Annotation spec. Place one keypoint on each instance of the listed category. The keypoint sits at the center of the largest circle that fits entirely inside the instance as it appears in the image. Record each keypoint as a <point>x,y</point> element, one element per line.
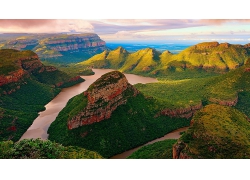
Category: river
<point>172,135</point>
<point>41,124</point>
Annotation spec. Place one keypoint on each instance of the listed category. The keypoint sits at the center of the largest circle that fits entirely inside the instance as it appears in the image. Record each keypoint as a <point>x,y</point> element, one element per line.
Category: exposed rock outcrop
<point>178,151</point>
<point>104,96</point>
<point>13,77</point>
<point>232,102</point>
<point>181,112</point>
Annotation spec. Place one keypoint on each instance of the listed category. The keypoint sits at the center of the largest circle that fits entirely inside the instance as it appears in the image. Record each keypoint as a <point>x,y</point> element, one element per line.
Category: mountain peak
<point>120,49</point>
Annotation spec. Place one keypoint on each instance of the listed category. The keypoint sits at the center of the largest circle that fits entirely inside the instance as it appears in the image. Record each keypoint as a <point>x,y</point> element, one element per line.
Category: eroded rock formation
<point>104,96</point>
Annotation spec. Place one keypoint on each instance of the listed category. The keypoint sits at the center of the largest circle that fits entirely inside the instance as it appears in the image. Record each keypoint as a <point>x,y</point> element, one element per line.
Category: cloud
<point>44,25</point>
<point>140,25</point>
<point>222,21</point>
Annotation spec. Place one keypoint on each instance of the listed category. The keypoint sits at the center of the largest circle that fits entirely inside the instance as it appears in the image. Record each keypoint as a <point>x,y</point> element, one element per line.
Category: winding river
<point>172,135</point>
<point>41,124</point>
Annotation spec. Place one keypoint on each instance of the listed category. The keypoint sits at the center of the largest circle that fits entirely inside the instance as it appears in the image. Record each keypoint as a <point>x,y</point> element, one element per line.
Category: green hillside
<point>9,59</point>
<point>40,149</point>
<point>182,93</point>
<point>158,150</point>
<point>217,132</point>
<point>210,57</point>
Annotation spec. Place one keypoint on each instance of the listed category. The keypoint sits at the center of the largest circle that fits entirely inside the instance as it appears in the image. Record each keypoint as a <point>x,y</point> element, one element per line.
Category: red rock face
<point>102,101</point>
<point>247,70</point>
<point>232,102</point>
<point>181,112</point>
<point>13,77</point>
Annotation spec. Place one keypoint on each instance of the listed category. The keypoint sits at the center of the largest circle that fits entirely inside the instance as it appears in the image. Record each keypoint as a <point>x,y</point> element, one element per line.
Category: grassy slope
<point>158,150</point>
<point>130,125</point>
<point>180,93</point>
<point>218,132</point>
<point>189,62</point>
<point>8,59</point>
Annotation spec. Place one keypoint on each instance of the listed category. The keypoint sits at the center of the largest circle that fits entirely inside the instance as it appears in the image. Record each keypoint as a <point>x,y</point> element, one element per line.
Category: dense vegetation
<point>39,149</point>
<point>210,57</point>
<point>217,132</point>
<point>19,109</point>
<point>158,150</point>
<point>20,101</point>
<point>119,133</point>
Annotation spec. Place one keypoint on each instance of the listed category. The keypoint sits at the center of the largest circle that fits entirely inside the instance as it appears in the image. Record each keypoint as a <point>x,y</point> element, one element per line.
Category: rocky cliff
<point>59,47</point>
<point>104,96</point>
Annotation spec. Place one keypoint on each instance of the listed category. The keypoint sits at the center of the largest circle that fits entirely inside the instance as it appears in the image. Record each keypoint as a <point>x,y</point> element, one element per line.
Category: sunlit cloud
<point>137,29</point>
<point>44,26</point>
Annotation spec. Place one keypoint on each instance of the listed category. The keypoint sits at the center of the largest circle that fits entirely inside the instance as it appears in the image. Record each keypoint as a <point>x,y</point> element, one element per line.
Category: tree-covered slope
<point>26,85</point>
<point>216,132</point>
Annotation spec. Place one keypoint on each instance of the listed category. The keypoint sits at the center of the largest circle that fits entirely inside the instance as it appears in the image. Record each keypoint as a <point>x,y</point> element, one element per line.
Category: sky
<point>139,30</point>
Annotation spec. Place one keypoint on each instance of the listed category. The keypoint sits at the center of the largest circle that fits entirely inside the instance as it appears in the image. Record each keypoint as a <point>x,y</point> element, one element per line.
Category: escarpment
<point>59,47</point>
<point>74,43</point>
<point>104,96</point>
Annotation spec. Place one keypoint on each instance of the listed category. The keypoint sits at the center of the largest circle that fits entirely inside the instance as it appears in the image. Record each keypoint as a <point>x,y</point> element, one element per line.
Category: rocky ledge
<point>181,112</point>
<point>104,96</point>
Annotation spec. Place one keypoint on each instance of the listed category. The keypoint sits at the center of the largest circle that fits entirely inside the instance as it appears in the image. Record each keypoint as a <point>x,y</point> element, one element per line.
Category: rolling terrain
<point>209,57</point>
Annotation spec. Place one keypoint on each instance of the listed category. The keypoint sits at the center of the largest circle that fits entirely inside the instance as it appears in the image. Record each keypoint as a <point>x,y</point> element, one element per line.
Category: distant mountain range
<point>208,56</point>
<point>63,48</point>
